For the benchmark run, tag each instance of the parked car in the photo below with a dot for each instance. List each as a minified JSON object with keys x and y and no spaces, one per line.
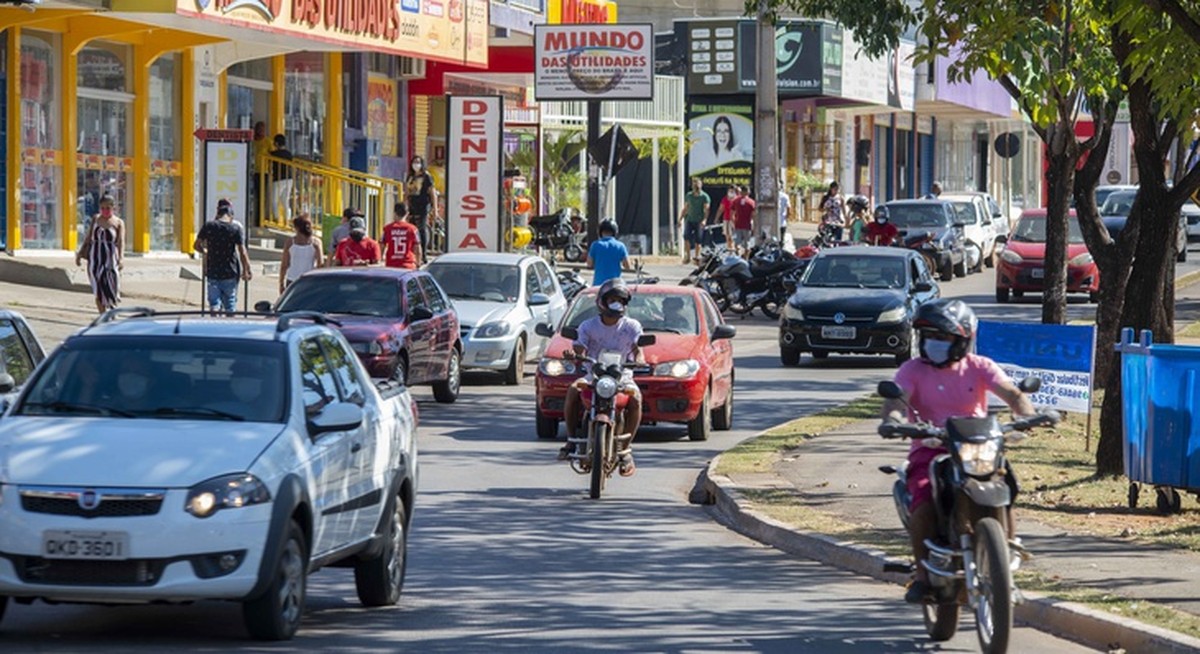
{"x":171,"y":459}
{"x":499,"y":299}
{"x":690,"y":371}
{"x":1000,"y":221}
{"x":1191,"y":215}
{"x":940,"y":221}
{"x":1105,"y":190}
{"x":1022,"y":263}
{"x":856,"y":300}
{"x":1115,"y":212}
{"x":398,"y":322}
{"x":979,"y":229}
{"x":20,"y":353}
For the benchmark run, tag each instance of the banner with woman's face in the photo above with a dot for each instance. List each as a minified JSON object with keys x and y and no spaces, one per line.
{"x":722,"y":141}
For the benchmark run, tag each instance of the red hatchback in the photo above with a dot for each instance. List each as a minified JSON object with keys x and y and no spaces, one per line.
{"x":1021,"y":267}
{"x":690,"y":373}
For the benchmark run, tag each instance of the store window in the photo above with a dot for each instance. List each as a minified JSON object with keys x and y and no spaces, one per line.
{"x":304,"y":104}
{"x":165,"y":165}
{"x":41,"y":145}
{"x":248,"y":103}
{"x":105,"y":153}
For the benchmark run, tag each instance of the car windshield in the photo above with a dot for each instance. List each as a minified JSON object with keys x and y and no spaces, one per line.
{"x":856,"y":272}
{"x":166,"y":378}
{"x":1118,"y":203}
{"x":1102,"y":195}
{"x":346,"y":294}
{"x":476,"y":281}
{"x":917,"y":215}
{"x":1032,"y":229}
{"x":966,"y":212}
{"x":658,"y":312}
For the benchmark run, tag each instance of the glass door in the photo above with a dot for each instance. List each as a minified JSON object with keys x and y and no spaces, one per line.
{"x":41,"y":160}
{"x":104,"y":142}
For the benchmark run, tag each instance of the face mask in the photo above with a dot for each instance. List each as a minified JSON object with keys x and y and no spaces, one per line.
{"x":246,"y":390}
{"x":937,"y":351}
{"x":881,"y":221}
{"x":417,"y":166}
{"x":132,"y":384}
{"x":616,"y":306}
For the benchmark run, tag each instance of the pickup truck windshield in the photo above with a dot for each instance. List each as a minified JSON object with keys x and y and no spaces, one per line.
{"x":162,"y":378}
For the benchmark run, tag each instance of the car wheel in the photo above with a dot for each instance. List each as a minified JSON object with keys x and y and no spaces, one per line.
{"x":400,"y":372}
{"x":446,"y":391}
{"x":380,"y":579}
{"x":515,"y":374}
{"x":947,"y":271}
{"x":1002,"y":295}
{"x":960,"y":269}
{"x":911,"y":352}
{"x":990,"y":262}
{"x":1182,"y":256}
{"x":700,"y":426}
{"x":275,"y":615}
{"x":722,"y":418}
{"x":1094,"y":297}
{"x":789,"y":356}
{"x":546,"y":427}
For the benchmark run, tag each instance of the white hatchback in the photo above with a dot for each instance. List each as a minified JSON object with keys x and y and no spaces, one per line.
{"x":159,"y":458}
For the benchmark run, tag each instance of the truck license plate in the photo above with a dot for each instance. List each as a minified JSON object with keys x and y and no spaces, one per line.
{"x":91,"y":545}
{"x":839,"y":332}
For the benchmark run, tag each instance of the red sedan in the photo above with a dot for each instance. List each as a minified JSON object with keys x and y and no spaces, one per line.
{"x":1022,"y":265}
{"x":690,"y":376}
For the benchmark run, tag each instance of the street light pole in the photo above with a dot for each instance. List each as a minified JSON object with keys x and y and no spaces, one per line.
{"x":766,"y":133}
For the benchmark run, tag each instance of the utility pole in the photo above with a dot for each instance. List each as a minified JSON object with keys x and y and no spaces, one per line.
{"x":766,"y":128}
{"x":593,"y":167}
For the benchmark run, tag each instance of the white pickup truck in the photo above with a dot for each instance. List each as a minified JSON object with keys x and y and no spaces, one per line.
{"x":173,"y":457}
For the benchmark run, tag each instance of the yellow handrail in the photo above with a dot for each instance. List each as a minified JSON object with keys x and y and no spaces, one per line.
{"x":292,"y":186}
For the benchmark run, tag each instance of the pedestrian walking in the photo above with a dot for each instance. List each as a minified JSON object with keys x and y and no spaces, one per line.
{"x":281,"y":185}
{"x":222,"y":244}
{"x":359,"y":249}
{"x":301,"y":252}
{"x":401,"y":243}
{"x":743,"y":209}
{"x":691,"y":219}
{"x":103,"y":248}
{"x":832,"y":205}
{"x":342,"y":232}
{"x":422,"y":201}
{"x":785,"y":207}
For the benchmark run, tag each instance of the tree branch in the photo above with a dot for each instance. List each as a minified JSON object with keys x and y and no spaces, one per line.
{"x":1178,"y":14}
{"x":1011,"y":86}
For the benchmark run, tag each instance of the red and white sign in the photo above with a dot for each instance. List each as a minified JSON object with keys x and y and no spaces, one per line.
{"x":474,"y":169}
{"x":594,"y":62}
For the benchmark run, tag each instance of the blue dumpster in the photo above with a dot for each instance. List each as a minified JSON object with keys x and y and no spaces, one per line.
{"x":1160,"y":394}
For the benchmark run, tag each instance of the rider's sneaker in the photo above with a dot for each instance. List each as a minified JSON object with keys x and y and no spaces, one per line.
{"x":564,"y":452}
{"x":919,"y":592}
{"x":627,"y":467}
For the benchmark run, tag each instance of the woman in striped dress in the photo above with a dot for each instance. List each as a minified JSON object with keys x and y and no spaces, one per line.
{"x":103,"y":250}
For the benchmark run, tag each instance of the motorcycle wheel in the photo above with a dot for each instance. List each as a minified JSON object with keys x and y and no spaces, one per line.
{"x":993,"y":576}
{"x":717,"y":294}
{"x":573,"y":253}
{"x":941,"y":621}
{"x":598,"y":443}
{"x":770,"y":309}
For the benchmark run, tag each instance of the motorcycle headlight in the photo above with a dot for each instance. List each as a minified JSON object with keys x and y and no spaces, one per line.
{"x":492,"y":330}
{"x":372,"y":348}
{"x":979,"y":459}
{"x":793,"y":312}
{"x":1081,"y":259}
{"x":892,"y":316}
{"x":677,"y":369}
{"x":556,"y":367}
{"x":228,"y":492}
{"x":606,"y":387}
{"x":1010,"y":256}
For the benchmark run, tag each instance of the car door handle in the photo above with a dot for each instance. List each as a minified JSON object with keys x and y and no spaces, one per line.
{"x":355,"y":447}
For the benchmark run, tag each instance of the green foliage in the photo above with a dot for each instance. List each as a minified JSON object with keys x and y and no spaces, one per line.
{"x":564,"y":181}
{"x":877,"y":24}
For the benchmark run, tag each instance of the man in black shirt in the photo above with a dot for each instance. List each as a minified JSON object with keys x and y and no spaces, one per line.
{"x":223,"y":245}
{"x":281,"y":187}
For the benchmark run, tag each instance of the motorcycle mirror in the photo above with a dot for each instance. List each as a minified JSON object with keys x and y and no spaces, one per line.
{"x":1030,"y":384}
{"x":544,"y":329}
{"x":647,"y":339}
{"x":891,"y":390}
{"x":570,"y":332}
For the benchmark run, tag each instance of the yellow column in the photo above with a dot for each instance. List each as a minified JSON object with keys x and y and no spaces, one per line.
{"x":333,"y":128}
{"x":138,"y":222}
{"x":278,"y":94}
{"x":187,"y":153}
{"x":222,"y":97}
{"x":69,"y":108}
{"x":14,"y":139}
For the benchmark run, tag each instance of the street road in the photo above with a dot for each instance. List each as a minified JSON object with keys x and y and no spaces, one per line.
{"x":507,"y":552}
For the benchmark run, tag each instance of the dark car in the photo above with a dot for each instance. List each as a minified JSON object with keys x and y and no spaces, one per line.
{"x":1115,"y":212}
{"x":856,"y":300}
{"x":399,"y":322}
{"x":938,"y":220}
{"x":20,"y":353}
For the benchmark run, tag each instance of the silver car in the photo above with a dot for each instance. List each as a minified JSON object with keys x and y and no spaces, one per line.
{"x":499,"y":299}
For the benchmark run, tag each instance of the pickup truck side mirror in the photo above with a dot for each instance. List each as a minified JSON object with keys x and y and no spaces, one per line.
{"x":419,"y":313}
{"x":263,"y":306}
{"x":544,"y":329}
{"x":340,"y":416}
{"x":7,"y":383}
{"x":539,"y":300}
{"x":723,"y":331}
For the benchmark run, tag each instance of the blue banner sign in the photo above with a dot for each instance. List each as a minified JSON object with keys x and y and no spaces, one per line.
{"x":1061,"y":355}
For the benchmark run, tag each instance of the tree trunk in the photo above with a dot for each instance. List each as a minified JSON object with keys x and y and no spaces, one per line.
{"x":1060,"y":178}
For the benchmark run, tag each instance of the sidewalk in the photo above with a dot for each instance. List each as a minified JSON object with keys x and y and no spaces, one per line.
{"x":837,"y":474}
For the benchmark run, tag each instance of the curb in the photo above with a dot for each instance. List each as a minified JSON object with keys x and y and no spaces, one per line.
{"x":1076,"y":622}
{"x":1183,"y":281}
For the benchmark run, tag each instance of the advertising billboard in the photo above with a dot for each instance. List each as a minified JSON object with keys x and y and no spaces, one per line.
{"x":594,"y":62}
{"x":712,"y":57}
{"x":721,"y":149}
{"x":474,"y":166}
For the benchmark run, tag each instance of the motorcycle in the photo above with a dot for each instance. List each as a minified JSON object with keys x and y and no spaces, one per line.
{"x":972,"y":561}
{"x":571,"y":282}
{"x":763,"y":282}
{"x":563,"y":230}
{"x":598,"y":453}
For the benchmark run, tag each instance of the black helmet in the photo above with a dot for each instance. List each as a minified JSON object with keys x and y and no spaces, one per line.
{"x":613,"y":289}
{"x":858,"y":203}
{"x":881,"y":212}
{"x":607,"y":226}
{"x":948,"y":318}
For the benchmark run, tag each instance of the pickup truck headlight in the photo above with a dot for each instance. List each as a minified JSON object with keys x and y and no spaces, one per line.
{"x":793,"y":312}
{"x":372,"y":348}
{"x":892,"y":316}
{"x":1010,"y":256}
{"x":228,"y":492}
{"x":492,"y":330}
{"x":677,"y":369}
{"x":556,"y":367}
{"x":1081,"y":259}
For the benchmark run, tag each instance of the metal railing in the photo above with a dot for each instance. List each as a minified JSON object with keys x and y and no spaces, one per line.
{"x":294,"y":186}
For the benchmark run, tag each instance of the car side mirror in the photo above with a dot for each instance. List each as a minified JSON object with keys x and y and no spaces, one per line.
{"x":340,"y":416}
{"x":263,"y":306}
{"x":539,"y":300}
{"x":890,"y":390}
{"x":987,"y":220}
{"x":7,"y":383}
{"x":544,"y":329}
{"x":723,"y":331}
{"x":419,"y":313}
{"x":1030,"y":384}
{"x":647,"y":339}
{"x":570,"y":332}
{"x":922,"y":287}
{"x":960,"y":225}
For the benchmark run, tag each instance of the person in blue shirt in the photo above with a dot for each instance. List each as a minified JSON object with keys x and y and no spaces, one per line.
{"x":607,"y":255}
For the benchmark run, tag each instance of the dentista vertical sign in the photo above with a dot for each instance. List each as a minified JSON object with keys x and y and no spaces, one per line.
{"x":474,"y":166}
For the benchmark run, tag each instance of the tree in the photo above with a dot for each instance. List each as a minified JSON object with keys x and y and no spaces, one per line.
{"x":563,"y":181}
{"x":668,"y":153}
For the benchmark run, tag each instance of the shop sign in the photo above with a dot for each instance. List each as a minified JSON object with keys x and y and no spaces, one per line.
{"x":446,"y":30}
{"x":574,"y":12}
{"x":226,"y":175}
{"x":712,"y":57}
{"x":889,"y":81}
{"x":1063,"y":356}
{"x":798,"y":57}
{"x":594,"y":62}
{"x":382,"y":117}
{"x":721,"y":152}
{"x":474,"y":172}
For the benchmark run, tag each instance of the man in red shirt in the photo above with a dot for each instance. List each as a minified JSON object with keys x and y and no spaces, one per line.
{"x":743,"y":218}
{"x":401,"y":242}
{"x":359,"y":249}
{"x":881,"y":232}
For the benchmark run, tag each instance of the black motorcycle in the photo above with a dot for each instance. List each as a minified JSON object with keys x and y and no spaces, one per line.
{"x":563,"y":231}
{"x":972,"y":561}
{"x":764,"y":282}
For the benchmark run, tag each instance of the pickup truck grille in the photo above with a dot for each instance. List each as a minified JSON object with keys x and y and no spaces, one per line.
{"x":101,"y":503}
{"x":132,"y":572}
